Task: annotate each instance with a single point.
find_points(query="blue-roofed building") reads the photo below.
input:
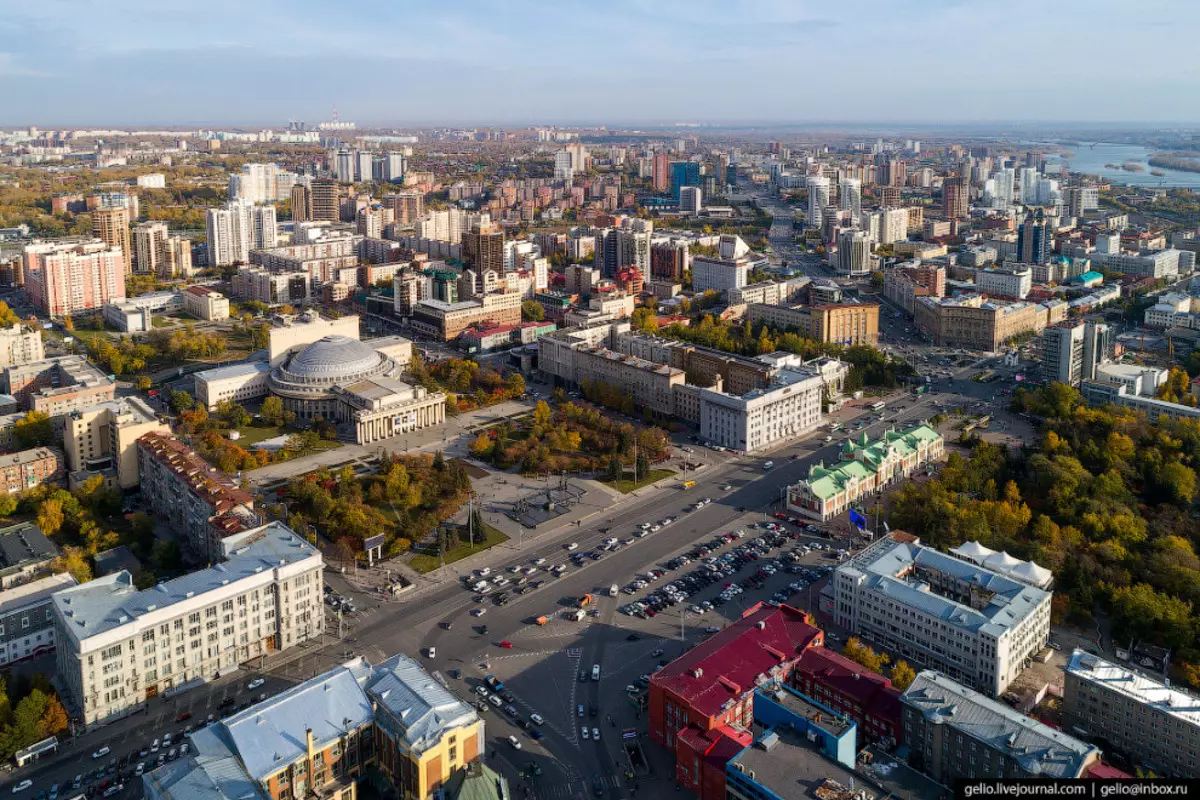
(320, 737)
(938, 611)
(119, 646)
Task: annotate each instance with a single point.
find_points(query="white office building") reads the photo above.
(940, 612)
(691, 199)
(850, 196)
(1005, 282)
(118, 646)
(818, 199)
(761, 418)
(27, 618)
(853, 253)
(719, 274)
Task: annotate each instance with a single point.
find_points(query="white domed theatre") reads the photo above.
(344, 380)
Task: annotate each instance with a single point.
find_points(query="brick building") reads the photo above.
(849, 688)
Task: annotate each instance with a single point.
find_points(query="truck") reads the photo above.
(689, 484)
(542, 620)
(576, 614)
(493, 683)
(585, 601)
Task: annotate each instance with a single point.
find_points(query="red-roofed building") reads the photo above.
(848, 687)
(630, 280)
(712, 685)
(701, 756)
(1102, 771)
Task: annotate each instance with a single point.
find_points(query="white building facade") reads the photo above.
(118, 647)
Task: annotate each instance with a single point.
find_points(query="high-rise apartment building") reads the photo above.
(111, 226)
(669, 259)
(260, 183)
(65, 279)
(955, 198)
(483, 247)
(893, 226)
(237, 229)
(818, 199)
(661, 173)
(1033, 239)
(1028, 178)
(301, 203)
(20, 345)
(562, 167)
(150, 248)
(1004, 184)
(407, 207)
(178, 263)
(395, 164)
(850, 196)
(325, 200)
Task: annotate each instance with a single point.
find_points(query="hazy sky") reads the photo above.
(263, 62)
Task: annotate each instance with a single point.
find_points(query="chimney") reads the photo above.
(308, 762)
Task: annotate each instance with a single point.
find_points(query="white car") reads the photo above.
(537, 562)
(516, 743)
(725, 487)
(25, 784)
(103, 751)
(433, 652)
(483, 573)
(514, 569)
(481, 691)
(537, 719)
(573, 546)
(478, 612)
(257, 682)
(584, 731)
(596, 734)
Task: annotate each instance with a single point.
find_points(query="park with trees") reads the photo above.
(570, 438)
(1105, 498)
(468, 385)
(407, 499)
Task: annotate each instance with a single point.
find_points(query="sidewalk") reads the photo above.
(447, 438)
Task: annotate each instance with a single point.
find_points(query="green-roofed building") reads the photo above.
(476, 782)
(866, 465)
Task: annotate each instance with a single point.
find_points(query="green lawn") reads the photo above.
(627, 485)
(426, 559)
(253, 434)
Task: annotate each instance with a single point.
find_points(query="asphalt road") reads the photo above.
(562, 755)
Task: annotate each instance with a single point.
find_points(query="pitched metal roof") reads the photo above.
(1041, 750)
(421, 709)
(272, 735)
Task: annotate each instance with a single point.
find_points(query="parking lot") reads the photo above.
(571, 678)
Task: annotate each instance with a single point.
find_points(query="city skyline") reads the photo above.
(938, 62)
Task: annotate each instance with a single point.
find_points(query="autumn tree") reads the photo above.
(532, 311)
(34, 430)
(50, 516)
(863, 654)
(901, 675)
(272, 410)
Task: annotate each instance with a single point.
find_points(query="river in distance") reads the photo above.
(1089, 159)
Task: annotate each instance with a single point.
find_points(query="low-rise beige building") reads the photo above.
(974, 322)
(445, 321)
(205, 303)
(838, 323)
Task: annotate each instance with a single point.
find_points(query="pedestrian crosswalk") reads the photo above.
(574, 788)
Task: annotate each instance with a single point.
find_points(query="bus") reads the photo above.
(878, 406)
(36, 751)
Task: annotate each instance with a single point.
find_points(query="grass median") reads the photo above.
(426, 558)
(628, 485)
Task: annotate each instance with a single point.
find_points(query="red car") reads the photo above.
(184, 717)
(507, 645)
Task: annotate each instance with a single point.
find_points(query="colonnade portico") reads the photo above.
(382, 424)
